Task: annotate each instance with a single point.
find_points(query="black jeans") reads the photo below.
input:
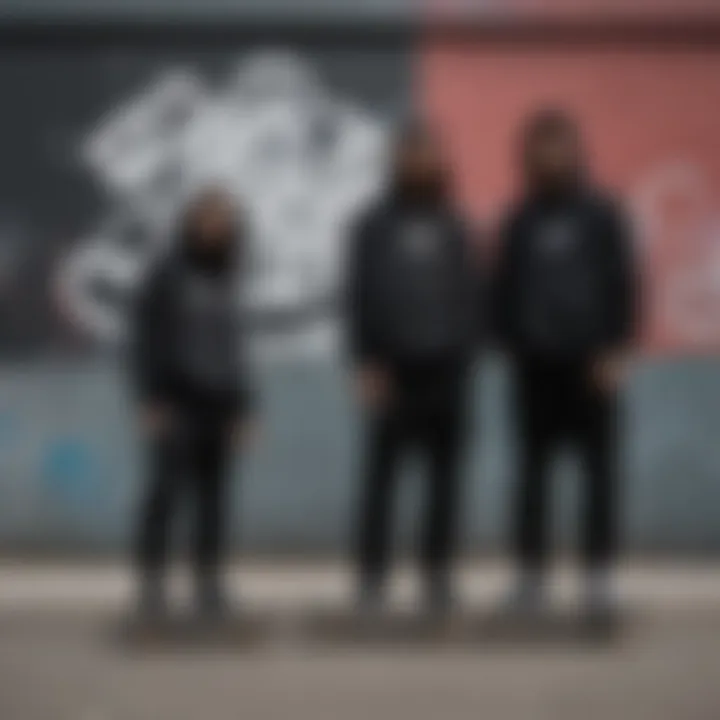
(426, 413)
(559, 402)
(189, 460)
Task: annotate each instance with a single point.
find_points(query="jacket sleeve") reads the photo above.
(149, 339)
(243, 396)
(474, 285)
(623, 279)
(360, 337)
(503, 292)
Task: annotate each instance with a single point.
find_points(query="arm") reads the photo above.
(372, 381)
(359, 327)
(246, 426)
(149, 340)
(623, 281)
(503, 286)
(243, 397)
(474, 286)
(623, 290)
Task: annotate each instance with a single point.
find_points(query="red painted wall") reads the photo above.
(652, 120)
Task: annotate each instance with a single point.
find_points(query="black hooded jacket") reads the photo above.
(187, 339)
(565, 284)
(414, 287)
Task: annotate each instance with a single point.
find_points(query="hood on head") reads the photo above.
(543, 130)
(210, 232)
(427, 183)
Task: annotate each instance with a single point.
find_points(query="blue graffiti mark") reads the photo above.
(8, 428)
(71, 473)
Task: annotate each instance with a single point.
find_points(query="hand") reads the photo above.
(246, 432)
(610, 371)
(373, 386)
(156, 420)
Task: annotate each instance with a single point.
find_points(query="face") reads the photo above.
(418, 162)
(554, 158)
(213, 222)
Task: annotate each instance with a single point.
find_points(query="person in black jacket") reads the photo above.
(565, 305)
(189, 369)
(413, 324)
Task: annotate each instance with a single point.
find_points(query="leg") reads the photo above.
(596, 440)
(442, 448)
(157, 512)
(211, 485)
(531, 500)
(597, 446)
(377, 501)
(540, 410)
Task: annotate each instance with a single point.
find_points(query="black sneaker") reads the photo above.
(527, 599)
(439, 597)
(212, 602)
(601, 613)
(370, 600)
(152, 604)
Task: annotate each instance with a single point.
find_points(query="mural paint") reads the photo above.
(104, 130)
(98, 157)
(657, 149)
(104, 152)
(301, 160)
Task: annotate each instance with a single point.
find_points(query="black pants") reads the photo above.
(559, 402)
(189, 461)
(426, 413)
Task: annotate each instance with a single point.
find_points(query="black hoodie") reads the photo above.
(565, 284)
(413, 283)
(187, 335)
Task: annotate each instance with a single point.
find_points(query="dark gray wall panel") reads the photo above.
(54, 200)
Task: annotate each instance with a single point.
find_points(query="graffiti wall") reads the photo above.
(650, 119)
(102, 148)
(101, 151)
(102, 143)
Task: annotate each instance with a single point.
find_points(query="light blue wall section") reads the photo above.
(70, 463)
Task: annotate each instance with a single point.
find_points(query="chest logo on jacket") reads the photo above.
(203, 294)
(420, 239)
(556, 237)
